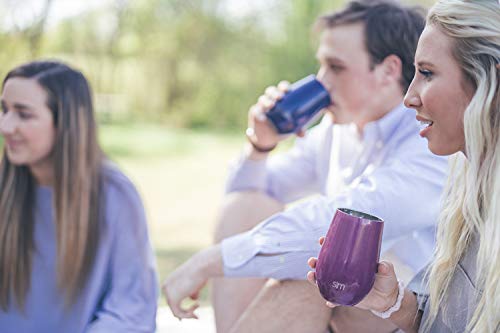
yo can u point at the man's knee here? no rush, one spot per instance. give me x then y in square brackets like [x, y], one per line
[241, 211]
[301, 292]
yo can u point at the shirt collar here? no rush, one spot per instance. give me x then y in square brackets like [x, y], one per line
[383, 128]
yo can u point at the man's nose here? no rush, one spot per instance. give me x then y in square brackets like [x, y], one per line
[321, 76]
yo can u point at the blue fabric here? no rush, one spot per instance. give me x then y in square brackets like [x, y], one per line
[388, 171]
[121, 292]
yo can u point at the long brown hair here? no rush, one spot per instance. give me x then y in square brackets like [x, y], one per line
[77, 161]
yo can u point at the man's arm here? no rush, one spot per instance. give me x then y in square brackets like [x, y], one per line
[190, 278]
[405, 192]
[284, 176]
[280, 246]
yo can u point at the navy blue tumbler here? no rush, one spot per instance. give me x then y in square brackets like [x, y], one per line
[299, 106]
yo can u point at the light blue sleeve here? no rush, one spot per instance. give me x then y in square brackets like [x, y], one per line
[405, 191]
[285, 176]
[130, 302]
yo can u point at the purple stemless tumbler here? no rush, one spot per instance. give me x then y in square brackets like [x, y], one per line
[299, 106]
[348, 259]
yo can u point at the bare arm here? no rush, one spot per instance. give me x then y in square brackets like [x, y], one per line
[407, 317]
[188, 280]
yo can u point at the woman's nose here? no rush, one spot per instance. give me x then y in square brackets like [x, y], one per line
[412, 99]
[8, 123]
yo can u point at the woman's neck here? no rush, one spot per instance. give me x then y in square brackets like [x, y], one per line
[43, 172]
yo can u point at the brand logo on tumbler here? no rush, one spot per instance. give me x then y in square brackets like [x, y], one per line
[338, 285]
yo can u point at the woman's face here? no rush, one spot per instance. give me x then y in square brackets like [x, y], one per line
[26, 123]
[439, 93]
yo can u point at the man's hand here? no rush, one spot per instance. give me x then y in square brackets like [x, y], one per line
[188, 280]
[261, 131]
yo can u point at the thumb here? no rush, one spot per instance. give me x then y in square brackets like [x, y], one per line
[385, 269]
[385, 280]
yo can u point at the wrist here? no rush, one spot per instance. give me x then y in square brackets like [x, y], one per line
[258, 148]
[211, 262]
[254, 155]
[394, 302]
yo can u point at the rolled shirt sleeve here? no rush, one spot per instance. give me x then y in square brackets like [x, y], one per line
[286, 176]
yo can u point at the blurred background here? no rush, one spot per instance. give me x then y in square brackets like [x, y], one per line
[172, 81]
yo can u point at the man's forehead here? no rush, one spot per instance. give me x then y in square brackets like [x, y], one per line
[343, 41]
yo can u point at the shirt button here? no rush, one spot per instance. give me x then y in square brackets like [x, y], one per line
[282, 259]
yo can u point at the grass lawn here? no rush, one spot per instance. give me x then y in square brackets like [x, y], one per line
[180, 175]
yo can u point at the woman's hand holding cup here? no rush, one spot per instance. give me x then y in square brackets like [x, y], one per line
[383, 294]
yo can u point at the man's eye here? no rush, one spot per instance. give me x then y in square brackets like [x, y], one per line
[335, 68]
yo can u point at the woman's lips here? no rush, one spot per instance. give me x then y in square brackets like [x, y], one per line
[13, 144]
[425, 125]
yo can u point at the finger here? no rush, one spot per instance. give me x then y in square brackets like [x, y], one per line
[258, 113]
[312, 262]
[311, 277]
[195, 296]
[266, 102]
[321, 240]
[301, 133]
[175, 309]
[385, 268]
[331, 305]
[181, 313]
[284, 86]
[274, 93]
[190, 312]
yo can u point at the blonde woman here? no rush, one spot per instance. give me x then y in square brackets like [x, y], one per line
[456, 94]
[74, 248]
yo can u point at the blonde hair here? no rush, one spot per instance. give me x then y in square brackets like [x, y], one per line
[472, 196]
[77, 161]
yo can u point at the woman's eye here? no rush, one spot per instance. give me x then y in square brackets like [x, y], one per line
[425, 73]
[24, 115]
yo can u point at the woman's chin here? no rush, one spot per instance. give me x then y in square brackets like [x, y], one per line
[442, 150]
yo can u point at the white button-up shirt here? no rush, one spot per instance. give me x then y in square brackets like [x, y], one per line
[388, 172]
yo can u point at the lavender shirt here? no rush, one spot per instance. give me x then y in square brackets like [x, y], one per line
[388, 172]
[121, 291]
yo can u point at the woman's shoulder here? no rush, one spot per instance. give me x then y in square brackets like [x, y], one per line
[118, 189]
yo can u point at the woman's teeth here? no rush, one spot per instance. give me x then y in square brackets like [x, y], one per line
[426, 123]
